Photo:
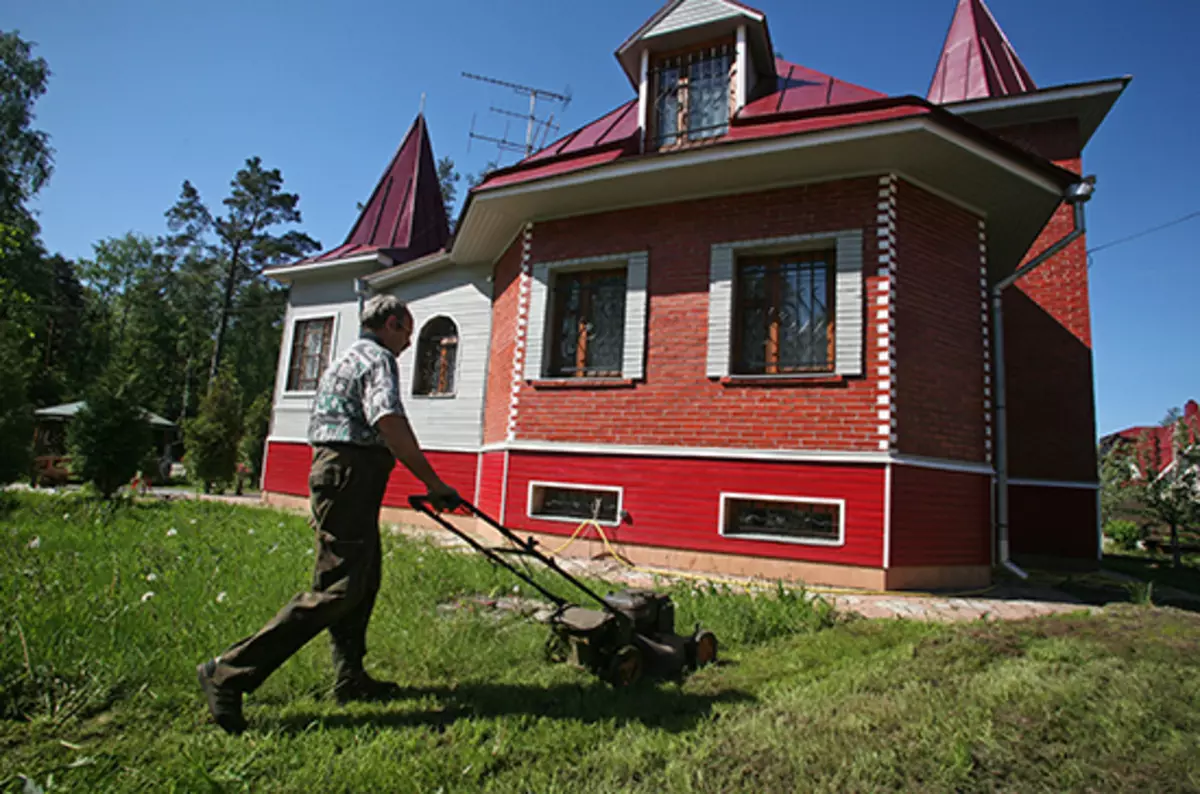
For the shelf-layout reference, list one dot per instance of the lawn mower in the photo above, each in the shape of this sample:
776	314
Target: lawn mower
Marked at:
629	636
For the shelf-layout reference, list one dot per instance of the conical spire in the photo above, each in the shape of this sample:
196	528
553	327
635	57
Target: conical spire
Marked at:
977	60
405	216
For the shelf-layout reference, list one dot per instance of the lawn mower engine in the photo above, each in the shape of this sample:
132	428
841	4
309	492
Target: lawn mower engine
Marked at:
634	637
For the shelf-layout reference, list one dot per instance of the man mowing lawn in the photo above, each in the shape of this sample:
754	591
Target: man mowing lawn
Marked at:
357	430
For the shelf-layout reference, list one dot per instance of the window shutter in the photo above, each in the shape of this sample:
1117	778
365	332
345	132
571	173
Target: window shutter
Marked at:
636	273
720	310
848	304
539	289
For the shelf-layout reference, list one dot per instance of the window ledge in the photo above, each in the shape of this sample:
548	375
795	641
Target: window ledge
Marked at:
582	383
449	396
822	379
300	394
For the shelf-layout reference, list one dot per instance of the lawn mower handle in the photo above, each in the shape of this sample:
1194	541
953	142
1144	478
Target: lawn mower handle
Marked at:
423	504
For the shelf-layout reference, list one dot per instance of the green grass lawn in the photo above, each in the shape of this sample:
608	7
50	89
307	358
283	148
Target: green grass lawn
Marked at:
98	692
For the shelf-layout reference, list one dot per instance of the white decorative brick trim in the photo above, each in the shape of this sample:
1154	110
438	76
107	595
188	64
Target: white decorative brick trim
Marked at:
518	362
885	304
985	317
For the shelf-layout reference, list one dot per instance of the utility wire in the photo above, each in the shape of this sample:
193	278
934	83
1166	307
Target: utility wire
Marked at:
1143	233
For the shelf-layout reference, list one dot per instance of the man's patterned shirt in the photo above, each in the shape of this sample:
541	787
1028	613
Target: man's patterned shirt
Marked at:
359	388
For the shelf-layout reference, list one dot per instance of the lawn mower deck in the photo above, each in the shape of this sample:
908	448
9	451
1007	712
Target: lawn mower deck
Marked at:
629	636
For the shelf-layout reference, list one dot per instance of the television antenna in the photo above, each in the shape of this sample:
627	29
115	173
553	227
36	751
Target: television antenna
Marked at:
534	126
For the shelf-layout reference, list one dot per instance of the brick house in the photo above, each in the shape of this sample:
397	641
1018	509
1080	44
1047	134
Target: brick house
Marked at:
1146	442
747	318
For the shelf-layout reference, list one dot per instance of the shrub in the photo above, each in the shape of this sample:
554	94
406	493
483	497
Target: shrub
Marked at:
1125	534
258	424
212	437
108	437
16	414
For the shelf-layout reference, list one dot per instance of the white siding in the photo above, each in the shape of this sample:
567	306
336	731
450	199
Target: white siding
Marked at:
441	423
463	295
634	356
636	275
848	304
720	310
848	301
690	13
333	296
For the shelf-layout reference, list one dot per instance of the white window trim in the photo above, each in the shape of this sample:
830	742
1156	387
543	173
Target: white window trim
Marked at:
416	360
618	490
847	299
841	505
295	321
637	266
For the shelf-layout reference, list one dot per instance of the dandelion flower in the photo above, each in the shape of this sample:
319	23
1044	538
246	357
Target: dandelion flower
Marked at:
35	543
66	516
193	521
150	577
172	532
249	531
221	596
516	588
146	596
309	552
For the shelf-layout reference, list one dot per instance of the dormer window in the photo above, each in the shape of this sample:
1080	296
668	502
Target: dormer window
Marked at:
691	93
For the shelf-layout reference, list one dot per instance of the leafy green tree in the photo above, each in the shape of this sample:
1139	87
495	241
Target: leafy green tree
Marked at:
242	242
254	442
213	437
26	159
109	436
1170	494
16	413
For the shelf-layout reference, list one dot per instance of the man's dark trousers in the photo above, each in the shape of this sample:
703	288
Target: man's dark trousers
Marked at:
346	486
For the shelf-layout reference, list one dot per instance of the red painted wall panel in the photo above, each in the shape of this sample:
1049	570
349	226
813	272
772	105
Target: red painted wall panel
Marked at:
1054	522
288	465
491	478
677	404
940	517
457	469
674	502
939	329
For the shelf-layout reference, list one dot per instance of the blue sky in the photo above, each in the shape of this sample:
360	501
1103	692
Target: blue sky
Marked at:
148	93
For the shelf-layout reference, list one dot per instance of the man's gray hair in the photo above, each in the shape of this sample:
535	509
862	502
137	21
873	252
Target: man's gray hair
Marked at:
378	309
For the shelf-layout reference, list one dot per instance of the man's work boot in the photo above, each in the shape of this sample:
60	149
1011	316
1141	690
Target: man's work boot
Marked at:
224	704
362	687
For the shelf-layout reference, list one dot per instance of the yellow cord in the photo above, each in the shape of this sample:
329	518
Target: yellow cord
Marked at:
742	582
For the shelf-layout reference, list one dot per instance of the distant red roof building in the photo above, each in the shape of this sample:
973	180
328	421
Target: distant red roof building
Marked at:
1144	438
405	217
977	60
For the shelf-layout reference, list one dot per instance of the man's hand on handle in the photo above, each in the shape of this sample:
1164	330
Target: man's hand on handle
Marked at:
443	498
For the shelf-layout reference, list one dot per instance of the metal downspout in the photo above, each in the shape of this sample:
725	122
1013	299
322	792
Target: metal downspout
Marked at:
1075	196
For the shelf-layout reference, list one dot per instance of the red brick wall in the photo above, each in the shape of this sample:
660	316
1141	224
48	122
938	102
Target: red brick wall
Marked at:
939	329
505	290
677	404
1051	398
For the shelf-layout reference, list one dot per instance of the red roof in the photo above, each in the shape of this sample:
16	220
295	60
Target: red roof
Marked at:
799	88
405	217
798	91
977	60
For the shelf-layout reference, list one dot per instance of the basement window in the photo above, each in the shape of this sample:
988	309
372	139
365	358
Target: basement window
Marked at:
574	502
818	522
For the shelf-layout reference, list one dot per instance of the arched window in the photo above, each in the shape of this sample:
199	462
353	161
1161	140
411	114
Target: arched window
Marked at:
437	350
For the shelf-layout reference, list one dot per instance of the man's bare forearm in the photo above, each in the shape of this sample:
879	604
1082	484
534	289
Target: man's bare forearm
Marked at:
398	435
